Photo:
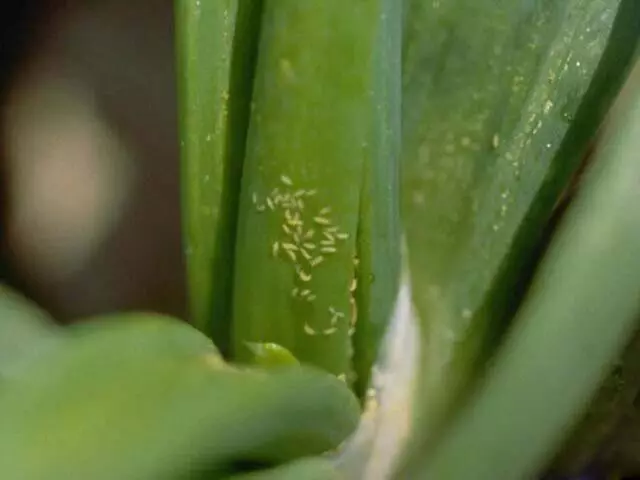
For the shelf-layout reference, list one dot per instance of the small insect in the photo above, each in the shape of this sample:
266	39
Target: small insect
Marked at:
260	208
275	248
290	246
354	284
292	255
325	211
254	198
330	330
270	203
342	236
298	193
286	229
304	276
311	193
328	250
308	330
286	180
316	261
309	234
332	229
294	292
343	377
309	245
322	220
311	297
305	293
306	254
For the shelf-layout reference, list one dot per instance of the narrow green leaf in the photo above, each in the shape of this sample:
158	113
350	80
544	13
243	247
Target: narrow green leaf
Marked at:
501	99
577	318
378	242
311	126
216	43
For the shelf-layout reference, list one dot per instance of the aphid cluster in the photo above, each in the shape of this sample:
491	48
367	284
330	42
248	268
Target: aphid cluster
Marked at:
306	244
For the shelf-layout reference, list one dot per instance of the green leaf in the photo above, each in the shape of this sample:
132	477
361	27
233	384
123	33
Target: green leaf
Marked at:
577	317
25	331
147	397
305	469
378	241
311	125
501	99
271	355
216	44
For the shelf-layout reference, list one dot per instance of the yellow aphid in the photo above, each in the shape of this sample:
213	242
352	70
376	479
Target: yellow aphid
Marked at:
308	330
286	180
328	250
322	220
260	208
342	236
343	377
287	216
270	203
294	292
354	285
286	229
275	248
309	234
316	261
311	193
311	297
304	276
300	204
292	255
306	254
298	193
254	198
327	243
325	211
289	246
305	292
309	245
330	331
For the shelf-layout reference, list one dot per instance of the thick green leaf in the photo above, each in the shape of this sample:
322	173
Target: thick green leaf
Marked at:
216	44
309	138
25	331
149	398
501	99
578	316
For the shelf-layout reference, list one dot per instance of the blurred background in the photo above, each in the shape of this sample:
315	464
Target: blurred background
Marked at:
89	156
